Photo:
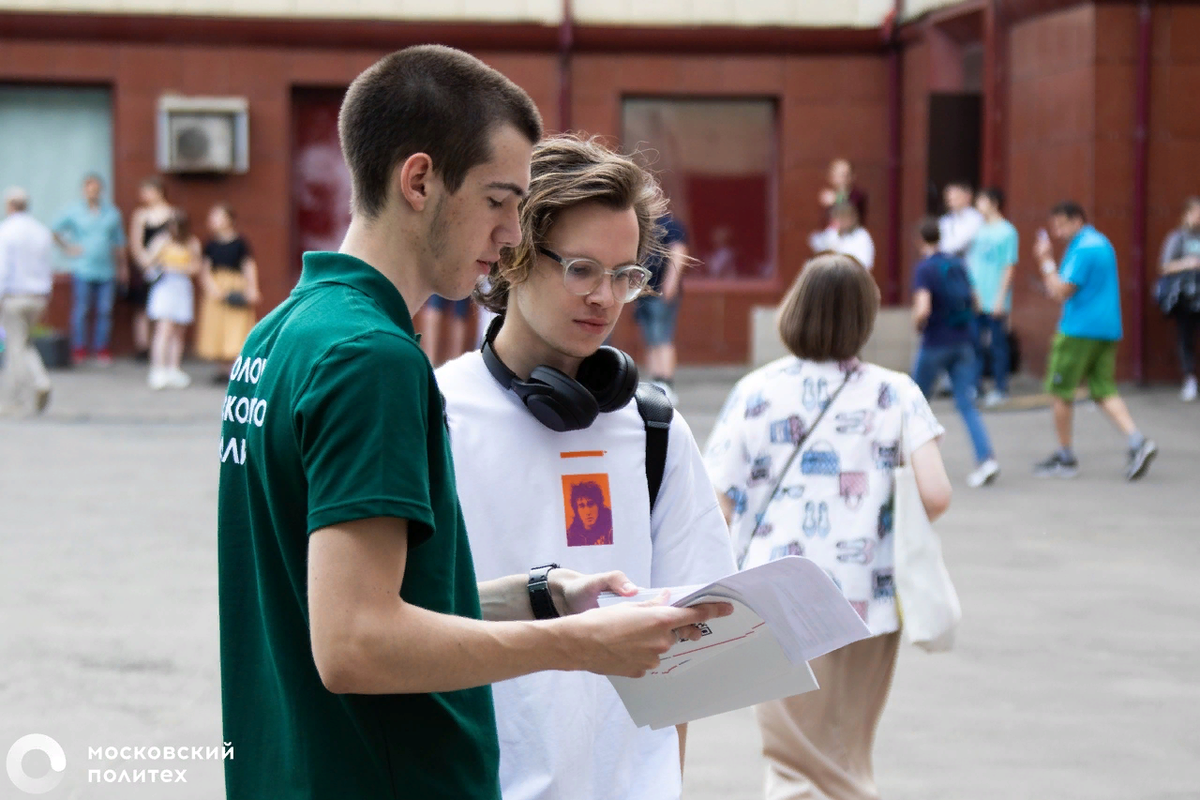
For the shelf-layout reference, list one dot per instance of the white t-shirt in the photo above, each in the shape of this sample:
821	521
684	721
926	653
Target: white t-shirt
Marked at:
566	735
857	243
957	230
26	265
835	504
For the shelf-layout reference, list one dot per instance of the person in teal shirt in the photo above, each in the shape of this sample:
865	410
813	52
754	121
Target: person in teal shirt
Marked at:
92	235
1085	347
991	258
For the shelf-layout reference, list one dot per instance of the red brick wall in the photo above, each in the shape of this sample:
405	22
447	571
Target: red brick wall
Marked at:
138	74
1174	156
1071	135
915	149
1052	145
828	106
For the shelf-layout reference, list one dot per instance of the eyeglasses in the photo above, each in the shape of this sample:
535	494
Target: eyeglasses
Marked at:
582	276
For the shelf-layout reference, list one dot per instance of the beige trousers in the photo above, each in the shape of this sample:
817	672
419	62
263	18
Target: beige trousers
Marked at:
24	377
818	745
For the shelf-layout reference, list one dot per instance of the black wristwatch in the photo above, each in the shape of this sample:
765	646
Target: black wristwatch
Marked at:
540	598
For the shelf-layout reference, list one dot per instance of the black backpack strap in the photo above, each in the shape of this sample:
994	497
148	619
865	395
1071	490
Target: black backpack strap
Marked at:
656	411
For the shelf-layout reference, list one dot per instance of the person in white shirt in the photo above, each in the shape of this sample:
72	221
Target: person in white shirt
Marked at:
550	454
961	221
26	278
845	236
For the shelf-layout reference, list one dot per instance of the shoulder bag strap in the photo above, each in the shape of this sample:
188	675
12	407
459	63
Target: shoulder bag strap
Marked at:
656	411
788	465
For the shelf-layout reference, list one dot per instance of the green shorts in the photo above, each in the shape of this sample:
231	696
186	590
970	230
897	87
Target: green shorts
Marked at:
1072	360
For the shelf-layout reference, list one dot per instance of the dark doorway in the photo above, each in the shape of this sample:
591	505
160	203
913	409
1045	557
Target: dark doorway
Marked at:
955	139
320	180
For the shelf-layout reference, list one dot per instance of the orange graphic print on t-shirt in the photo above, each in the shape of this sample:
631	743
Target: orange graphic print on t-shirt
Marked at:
587	504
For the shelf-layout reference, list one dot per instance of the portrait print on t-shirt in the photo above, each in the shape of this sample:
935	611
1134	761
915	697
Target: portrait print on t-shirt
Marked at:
586	500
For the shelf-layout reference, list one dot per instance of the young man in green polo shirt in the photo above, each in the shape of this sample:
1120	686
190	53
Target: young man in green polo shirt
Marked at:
354	658
1085	346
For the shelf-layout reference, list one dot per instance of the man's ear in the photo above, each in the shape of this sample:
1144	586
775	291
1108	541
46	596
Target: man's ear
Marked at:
413	180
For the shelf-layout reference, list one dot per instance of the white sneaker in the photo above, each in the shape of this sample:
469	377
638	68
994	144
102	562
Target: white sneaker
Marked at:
995	398
178	379
984	474
1189	391
157	379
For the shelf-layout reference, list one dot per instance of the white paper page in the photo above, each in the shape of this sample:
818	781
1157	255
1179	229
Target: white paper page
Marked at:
755	672
798	601
717	635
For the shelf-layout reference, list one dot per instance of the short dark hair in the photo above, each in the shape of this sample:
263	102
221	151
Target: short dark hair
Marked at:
426	99
1190	203
1069	209
929	230
829	312
961	184
995	194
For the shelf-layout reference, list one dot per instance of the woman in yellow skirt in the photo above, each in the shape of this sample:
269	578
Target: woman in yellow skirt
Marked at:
229	279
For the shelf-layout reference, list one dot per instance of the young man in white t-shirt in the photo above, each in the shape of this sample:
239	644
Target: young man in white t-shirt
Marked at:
550	454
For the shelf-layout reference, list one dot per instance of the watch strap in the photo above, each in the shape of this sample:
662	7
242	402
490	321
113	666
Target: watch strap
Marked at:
540	599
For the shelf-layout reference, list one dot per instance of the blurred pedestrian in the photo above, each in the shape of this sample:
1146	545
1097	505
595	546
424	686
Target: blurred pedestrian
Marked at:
657	313
840	188
430	321
229	281
991	259
802	455
944	313
961	221
846	236
26	279
1085	347
91	233
171	304
147	223
1178	290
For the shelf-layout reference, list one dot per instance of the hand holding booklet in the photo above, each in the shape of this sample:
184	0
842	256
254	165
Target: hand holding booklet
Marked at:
785	614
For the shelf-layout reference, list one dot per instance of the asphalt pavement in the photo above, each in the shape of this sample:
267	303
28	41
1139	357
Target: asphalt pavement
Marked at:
1075	675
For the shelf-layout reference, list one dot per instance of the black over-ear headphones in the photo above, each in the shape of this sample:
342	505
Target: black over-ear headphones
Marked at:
607	381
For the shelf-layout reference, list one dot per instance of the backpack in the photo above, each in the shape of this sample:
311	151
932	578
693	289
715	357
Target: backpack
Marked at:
956	292
656	411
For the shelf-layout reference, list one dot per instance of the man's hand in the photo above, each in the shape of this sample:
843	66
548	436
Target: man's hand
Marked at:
629	639
1042	248
575	593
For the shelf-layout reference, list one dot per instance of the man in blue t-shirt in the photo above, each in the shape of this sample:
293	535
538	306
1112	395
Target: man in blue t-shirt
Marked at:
1085	346
91	233
944	310
991	257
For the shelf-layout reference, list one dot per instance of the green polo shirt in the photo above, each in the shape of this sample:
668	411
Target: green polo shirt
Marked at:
333	415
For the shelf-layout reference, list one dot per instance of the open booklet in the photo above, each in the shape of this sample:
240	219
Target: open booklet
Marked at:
786	613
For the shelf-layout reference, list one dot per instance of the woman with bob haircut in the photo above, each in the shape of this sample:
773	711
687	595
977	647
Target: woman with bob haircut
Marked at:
802	456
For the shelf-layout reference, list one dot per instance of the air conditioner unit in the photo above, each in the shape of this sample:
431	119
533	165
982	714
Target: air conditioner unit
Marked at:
203	134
